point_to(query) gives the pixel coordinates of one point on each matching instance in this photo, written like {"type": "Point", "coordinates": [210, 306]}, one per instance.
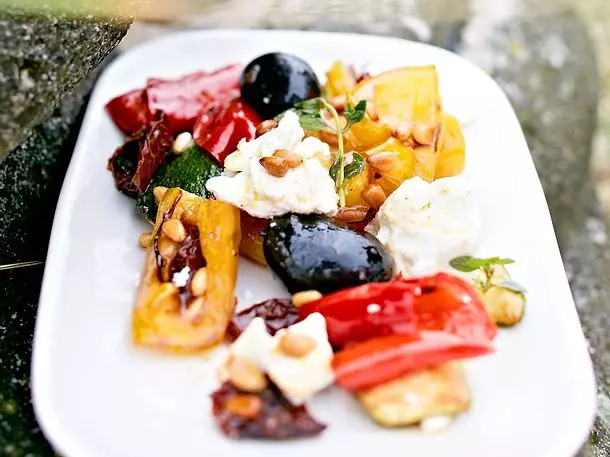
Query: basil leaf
{"type": "Point", "coordinates": [355, 167]}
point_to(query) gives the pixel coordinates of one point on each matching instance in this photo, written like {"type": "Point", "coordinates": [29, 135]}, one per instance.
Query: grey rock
{"type": "Point", "coordinates": [42, 58]}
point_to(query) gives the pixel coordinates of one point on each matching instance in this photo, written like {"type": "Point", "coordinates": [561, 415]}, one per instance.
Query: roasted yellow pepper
{"type": "Point", "coordinates": [451, 158]}
{"type": "Point", "coordinates": [340, 80]}
{"type": "Point", "coordinates": [391, 163]}
{"type": "Point", "coordinates": [160, 319]}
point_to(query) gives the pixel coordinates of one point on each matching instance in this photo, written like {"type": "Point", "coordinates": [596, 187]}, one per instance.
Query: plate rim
{"type": "Point", "coordinates": [568, 443]}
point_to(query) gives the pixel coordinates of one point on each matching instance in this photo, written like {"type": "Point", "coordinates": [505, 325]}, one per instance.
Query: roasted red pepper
{"type": "Point", "coordinates": [180, 99]}
{"type": "Point", "coordinates": [134, 163]}
{"type": "Point", "coordinates": [184, 98]}
{"type": "Point", "coordinates": [379, 360]}
{"type": "Point", "coordinates": [440, 302]}
{"type": "Point", "coordinates": [130, 111]}
{"type": "Point", "coordinates": [448, 303]}
{"type": "Point", "coordinates": [367, 311]}
{"type": "Point", "coordinates": [220, 133]}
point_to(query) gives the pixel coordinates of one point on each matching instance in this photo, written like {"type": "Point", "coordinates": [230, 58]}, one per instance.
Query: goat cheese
{"type": "Point", "coordinates": [306, 189]}
{"type": "Point", "coordinates": [424, 225]}
{"type": "Point", "coordinates": [299, 378]}
{"type": "Point", "coordinates": [181, 277]}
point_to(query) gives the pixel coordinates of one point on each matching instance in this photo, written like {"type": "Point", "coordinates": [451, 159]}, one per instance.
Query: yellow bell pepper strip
{"type": "Point", "coordinates": [408, 101]}
{"type": "Point", "coordinates": [172, 316]}
{"type": "Point", "coordinates": [340, 80]}
{"type": "Point", "coordinates": [354, 187]}
{"type": "Point", "coordinates": [451, 158]}
{"type": "Point", "coordinates": [390, 164]}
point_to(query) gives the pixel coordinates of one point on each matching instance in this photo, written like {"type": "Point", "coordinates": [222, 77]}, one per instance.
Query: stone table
{"type": "Point", "coordinates": [537, 50]}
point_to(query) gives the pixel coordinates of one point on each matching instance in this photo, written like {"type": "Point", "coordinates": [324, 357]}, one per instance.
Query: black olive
{"type": "Point", "coordinates": [314, 252]}
{"type": "Point", "coordinates": [274, 82]}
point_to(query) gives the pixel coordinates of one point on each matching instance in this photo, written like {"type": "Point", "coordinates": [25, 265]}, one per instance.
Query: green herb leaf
{"type": "Point", "coordinates": [427, 206]}
{"type": "Point", "coordinates": [512, 286]}
{"type": "Point", "coordinates": [354, 115]}
{"type": "Point", "coordinates": [355, 167]}
{"type": "Point", "coordinates": [468, 263]}
{"type": "Point", "coordinates": [310, 115]}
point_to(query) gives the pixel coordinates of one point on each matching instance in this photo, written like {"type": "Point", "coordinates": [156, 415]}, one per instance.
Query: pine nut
{"type": "Point", "coordinates": [174, 230]}
{"type": "Point", "coordinates": [374, 195]}
{"type": "Point", "coordinates": [275, 166]}
{"type": "Point", "coordinates": [296, 345]}
{"type": "Point", "coordinates": [352, 214]}
{"type": "Point", "coordinates": [294, 160]}
{"type": "Point", "coordinates": [182, 143]}
{"type": "Point", "coordinates": [265, 126]}
{"type": "Point", "coordinates": [324, 160]}
{"type": "Point", "coordinates": [167, 248]}
{"type": "Point", "coordinates": [338, 102]}
{"type": "Point", "coordinates": [383, 161]}
{"type": "Point", "coordinates": [245, 375]}
{"type": "Point", "coordinates": [245, 406]}
{"type": "Point", "coordinates": [423, 134]}
{"type": "Point", "coordinates": [404, 131]}
{"type": "Point", "coordinates": [146, 240]}
{"type": "Point", "coordinates": [159, 192]}
{"type": "Point", "coordinates": [307, 296]}
{"type": "Point", "coordinates": [199, 282]}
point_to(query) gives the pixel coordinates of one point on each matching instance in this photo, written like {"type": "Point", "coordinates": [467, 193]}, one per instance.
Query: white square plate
{"type": "Point", "coordinates": [97, 395]}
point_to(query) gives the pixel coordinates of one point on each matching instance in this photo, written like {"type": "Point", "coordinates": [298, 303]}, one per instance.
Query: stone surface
{"type": "Point", "coordinates": [42, 58]}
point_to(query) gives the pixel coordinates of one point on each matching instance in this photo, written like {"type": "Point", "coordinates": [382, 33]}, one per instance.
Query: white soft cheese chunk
{"type": "Point", "coordinates": [299, 378]}
{"type": "Point", "coordinates": [181, 277]}
{"type": "Point", "coordinates": [424, 225]}
{"type": "Point", "coordinates": [287, 135]}
{"type": "Point", "coordinates": [305, 189]}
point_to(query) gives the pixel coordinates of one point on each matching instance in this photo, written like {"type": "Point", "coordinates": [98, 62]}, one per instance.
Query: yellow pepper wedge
{"type": "Point", "coordinates": [408, 95]}
{"type": "Point", "coordinates": [451, 158]}
{"type": "Point", "coordinates": [340, 80]}
{"type": "Point", "coordinates": [354, 187]}
{"type": "Point", "coordinates": [404, 168]}
{"type": "Point", "coordinates": [158, 319]}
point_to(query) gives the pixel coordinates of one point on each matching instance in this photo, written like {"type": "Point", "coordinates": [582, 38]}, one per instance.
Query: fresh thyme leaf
{"type": "Point", "coordinates": [512, 286]}
{"type": "Point", "coordinates": [355, 167]}
{"type": "Point", "coordinates": [310, 115]}
{"type": "Point", "coordinates": [468, 263]}
{"type": "Point", "coordinates": [334, 170]}
{"type": "Point", "coordinates": [354, 115]}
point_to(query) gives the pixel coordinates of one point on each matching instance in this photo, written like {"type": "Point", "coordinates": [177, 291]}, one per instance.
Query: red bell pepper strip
{"type": "Point", "coordinates": [367, 311]}
{"type": "Point", "coordinates": [130, 111]}
{"type": "Point", "coordinates": [448, 303]}
{"type": "Point", "coordinates": [379, 360]}
{"type": "Point", "coordinates": [184, 98]}
{"type": "Point", "coordinates": [220, 134]}
{"type": "Point", "coordinates": [441, 302]}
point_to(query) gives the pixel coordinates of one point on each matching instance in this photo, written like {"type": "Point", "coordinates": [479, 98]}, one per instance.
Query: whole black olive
{"type": "Point", "coordinates": [314, 252]}
{"type": "Point", "coordinates": [274, 82]}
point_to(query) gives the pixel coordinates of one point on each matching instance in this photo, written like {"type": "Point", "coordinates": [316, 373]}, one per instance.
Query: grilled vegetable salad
{"type": "Point", "coordinates": [352, 194]}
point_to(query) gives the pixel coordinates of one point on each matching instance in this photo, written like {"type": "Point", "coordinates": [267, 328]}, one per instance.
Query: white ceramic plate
{"type": "Point", "coordinates": [97, 395]}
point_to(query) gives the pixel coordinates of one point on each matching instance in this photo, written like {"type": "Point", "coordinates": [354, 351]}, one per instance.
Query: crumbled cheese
{"type": "Point", "coordinates": [182, 143]}
{"type": "Point", "coordinates": [181, 278]}
{"type": "Point", "coordinates": [435, 424]}
{"type": "Point", "coordinates": [299, 378]}
{"type": "Point", "coordinates": [424, 225]}
{"type": "Point", "coordinates": [305, 189]}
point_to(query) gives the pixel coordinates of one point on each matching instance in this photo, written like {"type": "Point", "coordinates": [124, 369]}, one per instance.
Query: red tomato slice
{"type": "Point", "coordinates": [379, 360]}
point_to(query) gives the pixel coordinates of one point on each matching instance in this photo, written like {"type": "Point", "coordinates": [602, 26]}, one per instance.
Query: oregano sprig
{"type": "Point", "coordinates": [469, 264]}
